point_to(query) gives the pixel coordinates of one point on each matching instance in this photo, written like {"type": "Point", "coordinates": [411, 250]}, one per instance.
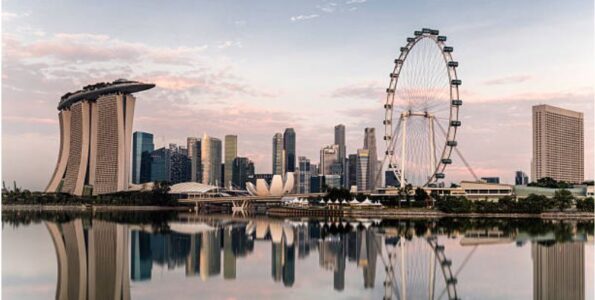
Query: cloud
{"type": "Point", "coordinates": [303, 17]}
{"type": "Point", "coordinates": [9, 16]}
{"type": "Point", "coordinates": [508, 80]}
{"type": "Point", "coordinates": [327, 7]}
{"type": "Point", "coordinates": [370, 90]}
{"type": "Point", "coordinates": [229, 44]}
{"type": "Point", "coordinates": [356, 1]}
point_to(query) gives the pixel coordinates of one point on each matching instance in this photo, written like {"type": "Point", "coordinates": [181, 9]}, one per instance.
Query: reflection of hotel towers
{"type": "Point", "coordinates": [204, 254]}
{"type": "Point", "coordinates": [95, 138]}
{"type": "Point", "coordinates": [558, 271]}
{"type": "Point", "coordinates": [92, 260]}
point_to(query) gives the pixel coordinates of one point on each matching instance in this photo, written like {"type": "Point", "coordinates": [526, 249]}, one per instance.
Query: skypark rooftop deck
{"type": "Point", "coordinates": [94, 91]}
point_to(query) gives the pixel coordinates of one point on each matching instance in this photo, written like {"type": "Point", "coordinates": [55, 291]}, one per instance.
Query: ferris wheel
{"type": "Point", "coordinates": [422, 110]}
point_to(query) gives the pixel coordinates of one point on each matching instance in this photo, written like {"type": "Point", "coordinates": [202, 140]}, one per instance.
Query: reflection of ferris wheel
{"type": "Point", "coordinates": [423, 96]}
{"type": "Point", "coordinates": [418, 269]}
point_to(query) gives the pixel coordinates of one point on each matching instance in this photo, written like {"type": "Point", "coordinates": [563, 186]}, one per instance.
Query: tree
{"type": "Point", "coordinates": [563, 199]}
{"type": "Point", "coordinates": [586, 204]}
{"type": "Point", "coordinates": [420, 195]}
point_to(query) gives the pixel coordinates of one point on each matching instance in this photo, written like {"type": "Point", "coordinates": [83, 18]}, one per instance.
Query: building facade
{"type": "Point", "coordinates": [351, 170]}
{"type": "Point", "coordinates": [558, 144]}
{"type": "Point", "coordinates": [142, 146]}
{"type": "Point", "coordinates": [289, 147]}
{"type": "Point", "coordinates": [361, 170]}
{"type": "Point", "coordinates": [491, 179]}
{"type": "Point", "coordinates": [211, 160]}
{"type": "Point", "coordinates": [194, 149]}
{"type": "Point", "coordinates": [329, 160]}
{"type": "Point", "coordinates": [370, 145]}
{"type": "Point", "coordinates": [243, 170]}
{"type": "Point", "coordinates": [520, 178]}
{"type": "Point", "coordinates": [304, 174]}
{"type": "Point", "coordinates": [231, 152]}
{"type": "Point", "coordinates": [340, 141]}
{"type": "Point", "coordinates": [278, 155]}
{"type": "Point", "coordinates": [96, 138]}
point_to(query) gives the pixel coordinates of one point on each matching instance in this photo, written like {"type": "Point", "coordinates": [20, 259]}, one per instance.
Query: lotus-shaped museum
{"type": "Point", "coordinates": [279, 186]}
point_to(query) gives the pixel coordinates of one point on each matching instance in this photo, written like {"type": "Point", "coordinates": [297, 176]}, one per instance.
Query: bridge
{"type": "Point", "coordinates": [239, 203]}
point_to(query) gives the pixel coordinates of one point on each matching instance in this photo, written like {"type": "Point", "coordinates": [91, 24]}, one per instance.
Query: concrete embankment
{"type": "Point", "coordinates": [406, 213]}
{"type": "Point", "coordinates": [66, 208]}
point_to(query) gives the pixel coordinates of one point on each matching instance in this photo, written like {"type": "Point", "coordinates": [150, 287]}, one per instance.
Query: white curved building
{"type": "Point", "coordinates": [279, 186]}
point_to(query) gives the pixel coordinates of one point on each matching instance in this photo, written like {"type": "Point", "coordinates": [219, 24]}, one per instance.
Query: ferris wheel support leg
{"type": "Point", "coordinates": [403, 154]}
{"type": "Point", "coordinates": [432, 146]}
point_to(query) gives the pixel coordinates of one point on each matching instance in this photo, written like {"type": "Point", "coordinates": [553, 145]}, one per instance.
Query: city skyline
{"type": "Point", "coordinates": [223, 74]}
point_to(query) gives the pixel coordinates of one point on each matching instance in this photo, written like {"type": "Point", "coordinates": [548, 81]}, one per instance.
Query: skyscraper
{"type": "Point", "coordinates": [193, 145]}
{"type": "Point", "coordinates": [95, 138]}
{"type": "Point", "coordinates": [351, 170]}
{"type": "Point", "coordinates": [361, 170]}
{"type": "Point", "coordinates": [142, 146]}
{"type": "Point", "coordinates": [211, 160]}
{"type": "Point", "coordinates": [370, 144]}
{"type": "Point", "coordinates": [330, 162]}
{"type": "Point", "coordinates": [289, 147]}
{"type": "Point", "coordinates": [558, 144]}
{"type": "Point", "coordinates": [278, 155]}
{"type": "Point", "coordinates": [304, 175]}
{"type": "Point", "coordinates": [243, 170]}
{"type": "Point", "coordinates": [521, 178]}
{"type": "Point", "coordinates": [340, 141]}
{"type": "Point", "coordinates": [231, 152]}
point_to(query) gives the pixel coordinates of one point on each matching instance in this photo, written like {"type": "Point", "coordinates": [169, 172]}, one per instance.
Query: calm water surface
{"type": "Point", "coordinates": [187, 256]}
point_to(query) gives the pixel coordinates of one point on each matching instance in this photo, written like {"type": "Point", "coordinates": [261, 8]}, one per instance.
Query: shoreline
{"type": "Point", "coordinates": [89, 208]}
{"type": "Point", "coordinates": [388, 213]}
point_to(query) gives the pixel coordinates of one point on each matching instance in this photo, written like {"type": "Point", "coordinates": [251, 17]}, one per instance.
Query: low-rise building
{"type": "Point", "coordinates": [485, 191]}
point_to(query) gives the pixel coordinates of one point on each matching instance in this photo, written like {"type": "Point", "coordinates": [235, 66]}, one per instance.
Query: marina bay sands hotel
{"type": "Point", "coordinates": [95, 138]}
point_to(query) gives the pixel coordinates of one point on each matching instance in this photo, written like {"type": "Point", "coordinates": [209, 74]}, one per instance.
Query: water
{"type": "Point", "coordinates": [186, 256]}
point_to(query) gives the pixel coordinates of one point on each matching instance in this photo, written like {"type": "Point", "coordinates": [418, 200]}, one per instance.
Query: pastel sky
{"type": "Point", "coordinates": [253, 68]}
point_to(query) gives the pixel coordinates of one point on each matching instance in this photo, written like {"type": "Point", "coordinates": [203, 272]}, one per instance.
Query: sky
{"type": "Point", "coordinates": [254, 68]}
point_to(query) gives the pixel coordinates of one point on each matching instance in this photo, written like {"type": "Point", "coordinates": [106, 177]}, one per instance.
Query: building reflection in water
{"type": "Point", "coordinates": [558, 270]}
{"type": "Point", "coordinates": [92, 260]}
{"type": "Point", "coordinates": [93, 256]}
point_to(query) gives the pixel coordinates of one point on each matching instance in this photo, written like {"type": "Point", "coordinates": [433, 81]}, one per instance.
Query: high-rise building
{"type": "Point", "coordinates": [211, 160]}
{"type": "Point", "coordinates": [340, 141]}
{"type": "Point", "coordinates": [558, 144]}
{"type": "Point", "coordinates": [304, 175]}
{"type": "Point", "coordinates": [520, 178]}
{"type": "Point", "coordinates": [351, 170]}
{"type": "Point", "coordinates": [194, 150]}
{"type": "Point", "coordinates": [329, 160]}
{"type": "Point", "coordinates": [142, 146]}
{"type": "Point", "coordinates": [332, 181]}
{"type": "Point", "coordinates": [370, 144]}
{"type": "Point", "coordinates": [278, 155]}
{"type": "Point", "coordinates": [231, 152]}
{"type": "Point", "coordinates": [243, 170]}
{"type": "Point", "coordinates": [391, 178]}
{"type": "Point", "coordinates": [361, 170]}
{"type": "Point", "coordinates": [170, 164]}
{"type": "Point", "coordinates": [95, 138]}
{"type": "Point", "coordinates": [289, 147]}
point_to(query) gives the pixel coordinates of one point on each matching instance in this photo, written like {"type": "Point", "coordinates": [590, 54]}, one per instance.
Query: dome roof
{"type": "Point", "coordinates": [191, 188]}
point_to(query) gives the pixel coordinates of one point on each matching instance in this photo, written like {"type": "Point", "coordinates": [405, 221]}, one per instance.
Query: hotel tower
{"type": "Point", "coordinates": [95, 138]}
